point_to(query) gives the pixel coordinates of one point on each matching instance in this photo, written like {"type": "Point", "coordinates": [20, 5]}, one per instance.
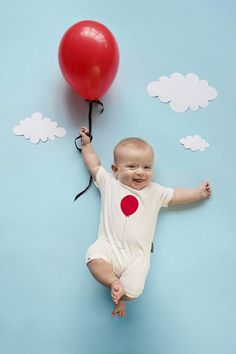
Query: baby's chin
{"type": "Point", "coordinates": [139, 188]}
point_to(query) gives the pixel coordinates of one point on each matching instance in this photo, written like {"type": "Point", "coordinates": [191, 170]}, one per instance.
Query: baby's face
{"type": "Point", "coordinates": [134, 166]}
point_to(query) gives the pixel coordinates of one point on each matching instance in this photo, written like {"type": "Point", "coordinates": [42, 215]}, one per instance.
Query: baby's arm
{"type": "Point", "coordinates": [89, 156]}
{"type": "Point", "coordinates": [187, 195]}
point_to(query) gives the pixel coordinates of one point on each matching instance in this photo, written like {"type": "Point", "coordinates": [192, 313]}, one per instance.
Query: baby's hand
{"type": "Point", "coordinates": [204, 190]}
{"type": "Point", "coordinates": [85, 138]}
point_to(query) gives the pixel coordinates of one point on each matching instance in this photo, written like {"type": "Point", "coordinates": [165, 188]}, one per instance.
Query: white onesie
{"type": "Point", "coordinates": [127, 225]}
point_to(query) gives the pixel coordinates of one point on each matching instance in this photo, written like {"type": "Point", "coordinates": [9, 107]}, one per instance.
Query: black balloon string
{"type": "Point", "coordinates": [91, 138]}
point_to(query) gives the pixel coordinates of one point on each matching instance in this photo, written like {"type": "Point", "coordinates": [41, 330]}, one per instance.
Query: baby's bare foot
{"type": "Point", "coordinates": [119, 309]}
{"type": "Point", "coordinates": [117, 291]}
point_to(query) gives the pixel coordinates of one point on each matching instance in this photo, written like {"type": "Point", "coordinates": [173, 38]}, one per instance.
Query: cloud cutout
{"type": "Point", "coordinates": [37, 128]}
{"type": "Point", "coordinates": [194, 143]}
{"type": "Point", "coordinates": [182, 92]}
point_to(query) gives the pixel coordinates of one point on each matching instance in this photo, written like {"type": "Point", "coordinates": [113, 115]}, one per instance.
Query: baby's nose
{"type": "Point", "coordinates": [139, 171]}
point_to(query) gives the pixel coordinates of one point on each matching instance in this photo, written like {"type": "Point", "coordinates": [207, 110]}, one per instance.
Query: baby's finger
{"type": "Point", "coordinates": [208, 189]}
{"type": "Point", "coordinates": [84, 130]}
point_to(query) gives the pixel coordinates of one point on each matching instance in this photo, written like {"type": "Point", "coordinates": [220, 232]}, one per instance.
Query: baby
{"type": "Point", "coordinates": [130, 202]}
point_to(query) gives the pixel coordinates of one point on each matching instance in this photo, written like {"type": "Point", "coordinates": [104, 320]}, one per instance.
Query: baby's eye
{"type": "Point", "coordinates": [147, 167]}
{"type": "Point", "coordinates": [131, 166]}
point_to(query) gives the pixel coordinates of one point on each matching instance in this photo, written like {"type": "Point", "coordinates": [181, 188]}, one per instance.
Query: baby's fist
{"type": "Point", "coordinates": [84, 136]}
{"type": "Point", "coordinates": [204, 190]}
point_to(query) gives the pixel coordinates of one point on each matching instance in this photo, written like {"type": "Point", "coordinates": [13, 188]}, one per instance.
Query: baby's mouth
{"type": "Point", "coordinates": [138, 180]}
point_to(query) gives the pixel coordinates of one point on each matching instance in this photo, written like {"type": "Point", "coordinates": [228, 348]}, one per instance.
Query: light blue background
{"type": "Point", "coordinates": [49, 303]}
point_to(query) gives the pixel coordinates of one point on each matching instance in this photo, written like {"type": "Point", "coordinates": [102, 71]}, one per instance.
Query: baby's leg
{"type": "Point", "coordinates": [103, 272]}
{"type": "Point", "coordinates": [133, 278]}
{"type": "Point", "coordinates": [119, 309]}
{"type": "Point", "coordinates": [117, 291]}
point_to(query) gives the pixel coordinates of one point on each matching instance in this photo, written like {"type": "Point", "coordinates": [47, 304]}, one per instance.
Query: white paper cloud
{"type": "Point", "coordinates": [36, 128]}
{"type": "Point", "coordinates": [182, 92]}
{"type": "Point", "coordinates": [195, 143]}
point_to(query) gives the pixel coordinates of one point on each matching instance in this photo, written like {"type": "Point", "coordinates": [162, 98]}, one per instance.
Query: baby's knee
{"type": "Point", "coordinates": [133, 286]}
{"type": "Point", "coordinates": [132, 289]}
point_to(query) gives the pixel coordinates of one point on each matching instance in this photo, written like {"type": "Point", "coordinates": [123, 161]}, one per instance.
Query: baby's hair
{"type": "Point", "coordinates": [132, 142]}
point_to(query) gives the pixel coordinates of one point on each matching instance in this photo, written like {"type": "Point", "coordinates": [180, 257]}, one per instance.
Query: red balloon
{"type": "Point", "coordinates": [129, 204]}
{"type": "Point", "coordinates": [89, 58]}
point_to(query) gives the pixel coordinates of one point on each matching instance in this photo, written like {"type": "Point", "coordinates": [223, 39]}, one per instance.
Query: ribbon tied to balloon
{"type": "Point", "coordinates": [129, 204]}
{"type": "Point", "coordinates": [89, 58]}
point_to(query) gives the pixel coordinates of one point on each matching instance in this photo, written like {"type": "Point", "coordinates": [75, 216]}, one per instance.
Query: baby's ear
{"type": "Point", "coordinates": [114, 168]}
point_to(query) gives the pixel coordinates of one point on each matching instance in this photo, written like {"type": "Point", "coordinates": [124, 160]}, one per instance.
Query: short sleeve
{"type": "Point", "coordinates": [166, 195]}
{"type": "Point", "coordinates": [102, 178]}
